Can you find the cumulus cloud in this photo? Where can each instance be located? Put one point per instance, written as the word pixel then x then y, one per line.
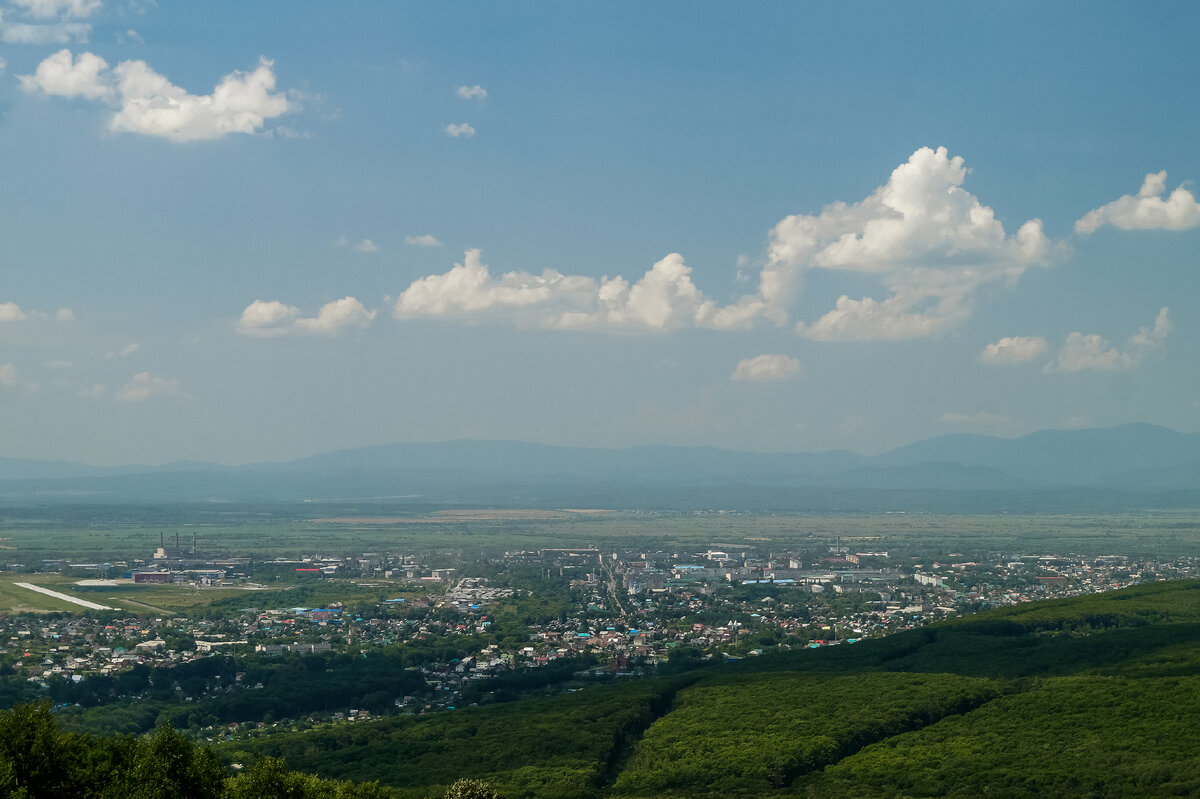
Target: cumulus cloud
pixel 475 92
pixel 425 240
pixel 1013 349
pixel 64 315
pixel 767 367
pixel 1147 210
pixel 461 130
pixel 274 318
pixel 147 103
pixel 63 75
pixel 143 386
pixel 868 319
pixel 11 312
pixel 1082 352
pixel 931 243
pixel 975 420
pixel 46 9
pixel 266 318
pixel 8 376
pixel 337 315
pixel 663 298
pixel 470 288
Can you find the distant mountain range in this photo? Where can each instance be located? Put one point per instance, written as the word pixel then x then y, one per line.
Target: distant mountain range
pixel 1137 465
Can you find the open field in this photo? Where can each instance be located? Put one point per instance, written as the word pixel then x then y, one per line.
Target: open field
pixel 119 594
pixel 126 533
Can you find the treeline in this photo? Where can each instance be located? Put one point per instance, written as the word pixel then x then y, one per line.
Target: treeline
pixel 39 761
pixel 231 689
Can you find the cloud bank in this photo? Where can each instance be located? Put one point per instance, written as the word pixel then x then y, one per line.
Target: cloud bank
pixel 663 298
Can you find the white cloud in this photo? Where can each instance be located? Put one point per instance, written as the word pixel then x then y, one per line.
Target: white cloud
pixel 65 76
pixel 143 385
pixel 337 315
pixel 1012 349
pixel 422 241
pixel 1148 210
pixel 868 319
pixel 130 37
pixel 475 92
pixel 64 315
pixel 51 33
pixel 59 364
pixel 262 318
pixel 1078 421
pixel 3 65
pixel 152 105
pixel 149 104
pixel 462 130
pixel 975 420
pixel 11 312
pixel 8 375
pixel 767 367
pixel 1082 352
pixel 663 298
pixel 92 392
pixel 470 288
pixel 66 9
pixel 930 243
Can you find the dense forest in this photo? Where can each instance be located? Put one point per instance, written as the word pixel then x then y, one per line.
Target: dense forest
pixel 1090 696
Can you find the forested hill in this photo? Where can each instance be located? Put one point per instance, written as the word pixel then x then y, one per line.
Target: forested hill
pixel 1092 696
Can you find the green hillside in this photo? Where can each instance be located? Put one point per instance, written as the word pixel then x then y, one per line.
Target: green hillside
pixel 1092 696
pixel 1079 697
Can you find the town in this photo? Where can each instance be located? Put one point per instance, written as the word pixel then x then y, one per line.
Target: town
pixel 486 629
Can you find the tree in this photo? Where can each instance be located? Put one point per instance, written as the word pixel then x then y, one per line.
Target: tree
pixel 470 789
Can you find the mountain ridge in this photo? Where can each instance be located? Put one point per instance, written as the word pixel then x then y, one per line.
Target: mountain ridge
pixel 1135 459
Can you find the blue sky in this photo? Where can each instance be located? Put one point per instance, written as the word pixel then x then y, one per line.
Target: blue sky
pixel 241 233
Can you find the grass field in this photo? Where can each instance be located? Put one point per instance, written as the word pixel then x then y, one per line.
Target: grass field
pixel 166 599
pixel 126 533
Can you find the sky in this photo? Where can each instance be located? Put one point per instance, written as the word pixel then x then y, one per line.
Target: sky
pixel 246 232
